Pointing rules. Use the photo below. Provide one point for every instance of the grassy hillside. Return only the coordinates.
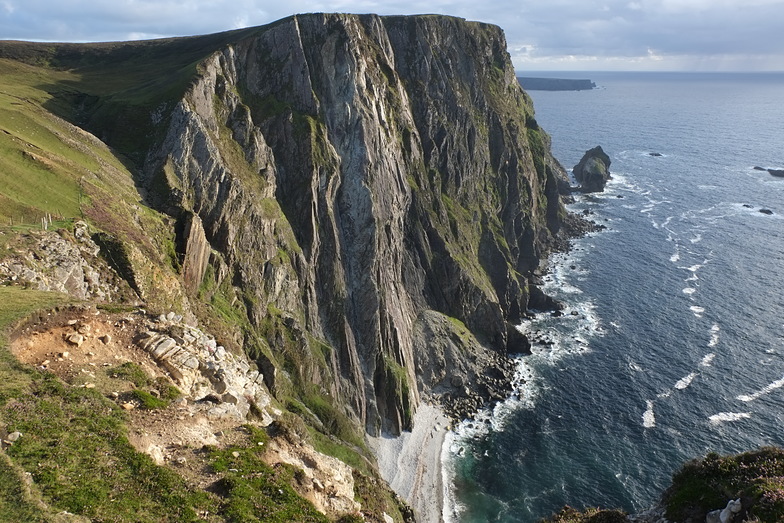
(74, 455)
(111, 89)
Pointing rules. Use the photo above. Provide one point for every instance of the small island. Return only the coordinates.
(555, 84)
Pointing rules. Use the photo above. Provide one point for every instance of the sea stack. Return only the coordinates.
(593, 170)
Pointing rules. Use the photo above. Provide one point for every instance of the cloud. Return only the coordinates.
(556, 33)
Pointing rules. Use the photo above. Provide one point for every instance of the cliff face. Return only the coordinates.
(363, 183)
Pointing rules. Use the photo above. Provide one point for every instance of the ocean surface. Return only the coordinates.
(676, 345)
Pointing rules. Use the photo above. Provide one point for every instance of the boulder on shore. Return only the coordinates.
(593, 170)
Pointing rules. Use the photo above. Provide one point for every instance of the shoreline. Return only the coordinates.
(411, 463)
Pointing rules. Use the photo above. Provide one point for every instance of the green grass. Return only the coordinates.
(340, 450)
(16, 502)
(75, 446)
(377, 499)
(132, 372)
(40, 171)
(15, 304)
(253, 491)
(708, 484)
(148, 401)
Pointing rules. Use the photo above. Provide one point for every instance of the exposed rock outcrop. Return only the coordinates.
(195, 251)
(593, 170)
(63, 262)
(202, 368)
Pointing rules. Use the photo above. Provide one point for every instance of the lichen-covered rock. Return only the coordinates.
(62, 262)
(593, 170)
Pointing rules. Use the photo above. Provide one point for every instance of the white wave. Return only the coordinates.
(714, 340)
(675, 257)
(697, 310)
(693, 277)
(665, 394)
(767, 390)
(723, 417)
(696, 239)
(452, 510)
(685, 381)
(689, 290)
(620, 181)
(715, 328)
(707, 360)
(633, 366)
(648, 418)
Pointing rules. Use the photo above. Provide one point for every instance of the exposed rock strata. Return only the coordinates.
(356, 173)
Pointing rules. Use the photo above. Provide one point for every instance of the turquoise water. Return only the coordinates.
(677, 345)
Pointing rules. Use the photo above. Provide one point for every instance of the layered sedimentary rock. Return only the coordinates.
(357, 172)
(361, 180)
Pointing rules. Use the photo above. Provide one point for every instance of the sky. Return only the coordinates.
(543, 35)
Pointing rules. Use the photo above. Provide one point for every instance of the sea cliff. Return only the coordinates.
(355, 205)
(373, 184)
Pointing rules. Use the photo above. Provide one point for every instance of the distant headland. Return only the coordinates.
(555, 84)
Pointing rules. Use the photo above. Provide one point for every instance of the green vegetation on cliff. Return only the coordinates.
(307, 212)
(707, 484)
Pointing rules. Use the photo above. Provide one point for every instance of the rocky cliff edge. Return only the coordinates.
(353, 206)
(371, 187)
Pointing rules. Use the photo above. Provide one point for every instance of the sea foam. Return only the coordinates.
(648, 418)
(685, 381)
(723, 417)
(767, 390)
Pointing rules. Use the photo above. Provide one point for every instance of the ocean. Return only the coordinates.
(672, 342)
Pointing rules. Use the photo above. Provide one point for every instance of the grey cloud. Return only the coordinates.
(620, 29)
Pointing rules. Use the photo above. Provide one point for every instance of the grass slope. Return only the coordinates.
(74, 454)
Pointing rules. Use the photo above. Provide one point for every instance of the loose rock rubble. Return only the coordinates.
(206, 372)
